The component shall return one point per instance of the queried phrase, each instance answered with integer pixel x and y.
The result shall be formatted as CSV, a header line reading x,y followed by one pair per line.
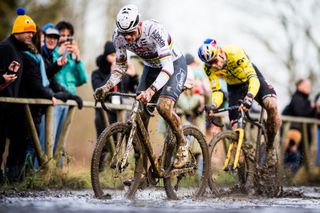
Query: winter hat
x,y
52,31
189,58
23,23
109,48
47,25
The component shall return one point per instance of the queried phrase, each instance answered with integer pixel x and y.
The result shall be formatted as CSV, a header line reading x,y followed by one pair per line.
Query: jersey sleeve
x,y
249,72
121,54
161,39
217,94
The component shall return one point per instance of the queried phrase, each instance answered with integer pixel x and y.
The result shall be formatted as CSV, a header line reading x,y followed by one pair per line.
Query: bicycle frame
x,y
241,122
138,129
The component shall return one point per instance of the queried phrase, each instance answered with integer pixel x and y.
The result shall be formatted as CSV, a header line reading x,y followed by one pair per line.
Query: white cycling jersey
x,y
155,47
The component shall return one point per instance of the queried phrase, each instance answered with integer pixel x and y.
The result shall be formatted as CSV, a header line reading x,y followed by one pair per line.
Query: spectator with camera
x,y
11,115
71,75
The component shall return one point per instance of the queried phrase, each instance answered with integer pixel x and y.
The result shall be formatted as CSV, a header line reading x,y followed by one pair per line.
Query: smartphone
x,y
9,72
70,39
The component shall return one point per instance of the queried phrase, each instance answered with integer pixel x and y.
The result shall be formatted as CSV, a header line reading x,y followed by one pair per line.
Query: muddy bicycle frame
x,y
240,130
139,130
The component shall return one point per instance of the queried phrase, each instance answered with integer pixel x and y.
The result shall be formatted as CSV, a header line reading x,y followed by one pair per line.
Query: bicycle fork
x,y
228,163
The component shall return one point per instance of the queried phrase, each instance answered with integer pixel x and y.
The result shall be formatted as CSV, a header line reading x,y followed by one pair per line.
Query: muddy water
x,y
153,201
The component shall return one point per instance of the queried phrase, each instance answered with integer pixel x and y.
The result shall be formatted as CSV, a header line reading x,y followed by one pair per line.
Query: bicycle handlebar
x,y
147,107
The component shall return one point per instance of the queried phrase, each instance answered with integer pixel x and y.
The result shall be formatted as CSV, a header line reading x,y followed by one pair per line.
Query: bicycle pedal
x,y
228,168
127,182
113,165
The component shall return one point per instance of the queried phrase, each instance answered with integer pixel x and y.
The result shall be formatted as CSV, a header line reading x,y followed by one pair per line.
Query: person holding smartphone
x,y
72,75
12,115
9,76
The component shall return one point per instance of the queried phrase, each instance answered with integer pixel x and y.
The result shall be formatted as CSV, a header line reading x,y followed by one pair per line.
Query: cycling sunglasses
x,y
127,33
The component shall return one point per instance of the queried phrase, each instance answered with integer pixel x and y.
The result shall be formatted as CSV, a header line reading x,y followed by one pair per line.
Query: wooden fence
x,y
50,160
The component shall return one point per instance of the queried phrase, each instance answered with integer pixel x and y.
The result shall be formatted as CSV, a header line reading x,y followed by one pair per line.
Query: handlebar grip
x,y
215,122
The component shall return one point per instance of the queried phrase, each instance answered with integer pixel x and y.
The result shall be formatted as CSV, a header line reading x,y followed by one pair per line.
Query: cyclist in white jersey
x,y
164,71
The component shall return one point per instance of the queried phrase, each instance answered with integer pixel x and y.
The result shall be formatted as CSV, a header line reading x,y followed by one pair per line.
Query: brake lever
x,y
147,108
104,107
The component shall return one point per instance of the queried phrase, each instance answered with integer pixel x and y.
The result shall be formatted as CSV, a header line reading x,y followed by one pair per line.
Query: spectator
x,y
99,77
35,84
200,82
299,106
11,115
192,102
71,75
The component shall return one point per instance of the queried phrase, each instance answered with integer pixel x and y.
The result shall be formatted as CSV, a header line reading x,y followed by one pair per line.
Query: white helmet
x,y
128,18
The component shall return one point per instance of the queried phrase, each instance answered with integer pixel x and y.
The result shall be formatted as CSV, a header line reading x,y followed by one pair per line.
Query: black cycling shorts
x,y
172,89
239,91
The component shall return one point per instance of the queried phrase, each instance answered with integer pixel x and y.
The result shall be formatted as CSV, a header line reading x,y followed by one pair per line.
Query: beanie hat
x,y
23,23
109,48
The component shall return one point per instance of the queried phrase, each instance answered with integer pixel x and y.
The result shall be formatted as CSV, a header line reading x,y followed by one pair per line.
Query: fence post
x,y
49,135
64,133
306,147
35,137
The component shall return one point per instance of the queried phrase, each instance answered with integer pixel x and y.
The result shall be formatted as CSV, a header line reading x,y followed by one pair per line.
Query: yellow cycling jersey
x,y
237,70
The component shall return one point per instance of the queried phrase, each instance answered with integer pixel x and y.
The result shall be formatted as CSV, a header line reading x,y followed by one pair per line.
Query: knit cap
x,y
23,23
108,48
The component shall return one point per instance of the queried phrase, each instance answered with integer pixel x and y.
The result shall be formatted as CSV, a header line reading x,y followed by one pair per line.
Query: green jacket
x,y
72,74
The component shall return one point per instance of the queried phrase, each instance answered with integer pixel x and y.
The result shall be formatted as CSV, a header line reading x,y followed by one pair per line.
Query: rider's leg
x,y
273,119
166,110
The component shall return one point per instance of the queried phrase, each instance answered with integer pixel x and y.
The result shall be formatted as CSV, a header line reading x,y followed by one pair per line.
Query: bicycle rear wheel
x,y
190,184
225,182
106,179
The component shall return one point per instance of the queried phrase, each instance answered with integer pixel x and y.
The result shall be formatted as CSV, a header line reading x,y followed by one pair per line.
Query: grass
x,y
54,180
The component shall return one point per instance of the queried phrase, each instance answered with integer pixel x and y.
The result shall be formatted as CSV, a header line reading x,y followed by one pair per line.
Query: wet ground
x,y
153,201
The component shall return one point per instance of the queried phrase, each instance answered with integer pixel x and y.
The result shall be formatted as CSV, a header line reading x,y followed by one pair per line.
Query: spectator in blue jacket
x,y
71,75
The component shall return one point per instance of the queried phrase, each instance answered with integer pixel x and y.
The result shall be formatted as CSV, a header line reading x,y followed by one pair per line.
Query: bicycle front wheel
x,y
225,180
192,183
106,177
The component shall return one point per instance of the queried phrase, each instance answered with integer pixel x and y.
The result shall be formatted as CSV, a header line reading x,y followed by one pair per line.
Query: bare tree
x,y
299,21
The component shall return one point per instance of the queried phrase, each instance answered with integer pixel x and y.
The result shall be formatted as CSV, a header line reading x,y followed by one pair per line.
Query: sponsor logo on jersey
x,y
156,36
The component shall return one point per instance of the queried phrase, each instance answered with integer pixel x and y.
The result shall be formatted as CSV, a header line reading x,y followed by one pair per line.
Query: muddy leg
x,y
273,119
165,108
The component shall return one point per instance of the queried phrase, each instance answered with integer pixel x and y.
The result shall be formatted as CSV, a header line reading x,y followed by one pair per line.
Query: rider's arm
x,y
217,94
121,66
160,38
250,73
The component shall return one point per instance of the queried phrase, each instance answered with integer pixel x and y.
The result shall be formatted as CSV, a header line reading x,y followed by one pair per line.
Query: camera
x,y
69,39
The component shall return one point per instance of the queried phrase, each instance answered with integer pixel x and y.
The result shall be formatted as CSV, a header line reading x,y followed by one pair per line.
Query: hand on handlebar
x,y
246,103
145,96
210,111
100,94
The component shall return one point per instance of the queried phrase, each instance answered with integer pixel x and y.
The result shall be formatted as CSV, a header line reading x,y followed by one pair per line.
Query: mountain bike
x,y
239,164
134,165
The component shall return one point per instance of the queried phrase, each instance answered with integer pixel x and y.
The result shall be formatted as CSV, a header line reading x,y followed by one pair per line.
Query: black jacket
x,y
299,106
10,50
31,84
101,75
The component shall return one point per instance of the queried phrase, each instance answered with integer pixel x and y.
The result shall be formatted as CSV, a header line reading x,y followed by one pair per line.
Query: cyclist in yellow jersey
x,y
244,81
